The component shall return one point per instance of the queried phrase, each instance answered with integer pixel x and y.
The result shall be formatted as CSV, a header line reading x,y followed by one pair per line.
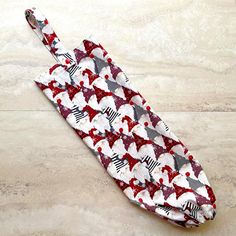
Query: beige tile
x,y
180,54
184,48
51,182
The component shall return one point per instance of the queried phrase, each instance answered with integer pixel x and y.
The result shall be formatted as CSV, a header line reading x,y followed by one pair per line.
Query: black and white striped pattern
x,y
193,208
67,55
151,164
126,79
194,214
78,113
166,209
111,114
118,162
71,70
166,127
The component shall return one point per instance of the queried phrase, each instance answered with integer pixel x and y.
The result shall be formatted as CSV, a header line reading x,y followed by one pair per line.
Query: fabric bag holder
x,y
148,162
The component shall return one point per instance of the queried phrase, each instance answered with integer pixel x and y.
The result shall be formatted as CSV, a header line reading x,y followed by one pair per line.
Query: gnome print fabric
x,y
152,167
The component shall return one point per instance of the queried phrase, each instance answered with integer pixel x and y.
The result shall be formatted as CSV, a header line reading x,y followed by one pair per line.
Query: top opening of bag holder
x,y
40,25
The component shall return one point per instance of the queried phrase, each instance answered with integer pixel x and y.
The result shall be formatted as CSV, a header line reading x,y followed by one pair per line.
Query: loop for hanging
x,y
46,34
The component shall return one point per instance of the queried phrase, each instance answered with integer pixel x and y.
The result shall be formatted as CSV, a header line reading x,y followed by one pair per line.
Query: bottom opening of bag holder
x,y
175,216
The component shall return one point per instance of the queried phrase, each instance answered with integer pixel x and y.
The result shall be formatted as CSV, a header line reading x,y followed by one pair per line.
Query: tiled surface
x,y
181,55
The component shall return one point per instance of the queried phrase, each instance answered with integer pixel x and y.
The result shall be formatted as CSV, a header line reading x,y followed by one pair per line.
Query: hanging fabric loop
x,y
40,25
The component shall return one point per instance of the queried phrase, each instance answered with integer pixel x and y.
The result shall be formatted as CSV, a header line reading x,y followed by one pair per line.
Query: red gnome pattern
x,y
148,162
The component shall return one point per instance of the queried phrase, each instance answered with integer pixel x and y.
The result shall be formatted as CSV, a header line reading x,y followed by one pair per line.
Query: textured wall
x,y
181,55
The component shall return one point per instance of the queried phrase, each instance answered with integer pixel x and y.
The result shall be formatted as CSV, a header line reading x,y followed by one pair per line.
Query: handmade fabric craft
x,y
147,161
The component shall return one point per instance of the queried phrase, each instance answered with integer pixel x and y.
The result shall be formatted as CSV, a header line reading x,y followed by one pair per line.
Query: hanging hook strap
x,y
46,34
